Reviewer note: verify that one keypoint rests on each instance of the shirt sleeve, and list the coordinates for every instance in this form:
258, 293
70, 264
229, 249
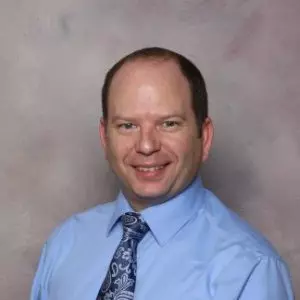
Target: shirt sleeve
53, 251
36, 288
246, 278
269, 280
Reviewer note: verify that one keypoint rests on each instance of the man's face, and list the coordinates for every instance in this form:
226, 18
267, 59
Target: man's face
150, 138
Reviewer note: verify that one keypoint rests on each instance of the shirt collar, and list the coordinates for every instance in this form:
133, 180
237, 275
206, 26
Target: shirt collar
165, 219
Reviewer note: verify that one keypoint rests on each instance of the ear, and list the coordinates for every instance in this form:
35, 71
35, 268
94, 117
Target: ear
103, 134
207, 137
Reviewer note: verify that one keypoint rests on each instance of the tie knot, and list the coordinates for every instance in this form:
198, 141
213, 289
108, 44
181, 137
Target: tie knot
134, 227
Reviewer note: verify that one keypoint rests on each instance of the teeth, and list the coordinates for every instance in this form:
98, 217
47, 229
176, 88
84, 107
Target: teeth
149, 169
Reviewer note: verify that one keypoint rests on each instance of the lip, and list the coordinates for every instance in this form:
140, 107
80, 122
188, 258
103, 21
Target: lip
153, 175
152, 165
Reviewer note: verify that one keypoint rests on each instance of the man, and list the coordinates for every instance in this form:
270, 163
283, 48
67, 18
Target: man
165, 236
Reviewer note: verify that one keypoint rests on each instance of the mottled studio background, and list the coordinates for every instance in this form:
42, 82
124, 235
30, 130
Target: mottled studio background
53, 57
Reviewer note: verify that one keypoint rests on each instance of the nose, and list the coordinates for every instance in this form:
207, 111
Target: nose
148, 141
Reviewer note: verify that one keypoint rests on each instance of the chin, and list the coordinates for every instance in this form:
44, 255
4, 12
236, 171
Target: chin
151, 193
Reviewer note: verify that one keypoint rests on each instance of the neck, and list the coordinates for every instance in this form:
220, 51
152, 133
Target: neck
139, 203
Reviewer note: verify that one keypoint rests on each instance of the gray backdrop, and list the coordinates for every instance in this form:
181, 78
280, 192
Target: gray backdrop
53, 57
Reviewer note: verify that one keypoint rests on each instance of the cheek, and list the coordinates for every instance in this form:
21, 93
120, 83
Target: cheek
188, 154
182, 146
119, 148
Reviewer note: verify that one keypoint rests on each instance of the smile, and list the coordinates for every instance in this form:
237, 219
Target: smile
151, 172
150, 169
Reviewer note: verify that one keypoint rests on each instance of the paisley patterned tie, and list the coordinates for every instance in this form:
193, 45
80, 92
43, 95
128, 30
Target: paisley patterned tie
119, 283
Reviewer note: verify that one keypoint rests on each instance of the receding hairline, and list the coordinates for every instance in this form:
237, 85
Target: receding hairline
151, 59
147, 59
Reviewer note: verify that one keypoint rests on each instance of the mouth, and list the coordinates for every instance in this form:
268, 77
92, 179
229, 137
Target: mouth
151, 172
150, 168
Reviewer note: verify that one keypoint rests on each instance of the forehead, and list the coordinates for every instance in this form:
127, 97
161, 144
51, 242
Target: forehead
148, 85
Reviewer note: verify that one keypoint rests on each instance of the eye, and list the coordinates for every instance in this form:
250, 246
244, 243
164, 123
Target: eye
126, 126
170, 124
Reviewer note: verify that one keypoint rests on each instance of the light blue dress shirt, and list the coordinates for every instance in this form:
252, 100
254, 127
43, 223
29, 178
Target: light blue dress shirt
196, 249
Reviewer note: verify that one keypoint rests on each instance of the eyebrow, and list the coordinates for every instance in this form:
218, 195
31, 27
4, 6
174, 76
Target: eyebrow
162, 117
119, 117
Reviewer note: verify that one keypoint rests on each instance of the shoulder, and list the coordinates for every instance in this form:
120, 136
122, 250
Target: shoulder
234, 232
64, 235
75, 229
242, 255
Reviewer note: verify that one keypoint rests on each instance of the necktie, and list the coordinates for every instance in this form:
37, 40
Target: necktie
119, 283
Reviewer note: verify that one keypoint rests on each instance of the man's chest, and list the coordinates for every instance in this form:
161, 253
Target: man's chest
161, 274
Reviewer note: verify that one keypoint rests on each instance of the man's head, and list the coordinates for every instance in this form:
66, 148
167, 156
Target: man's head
155, 128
